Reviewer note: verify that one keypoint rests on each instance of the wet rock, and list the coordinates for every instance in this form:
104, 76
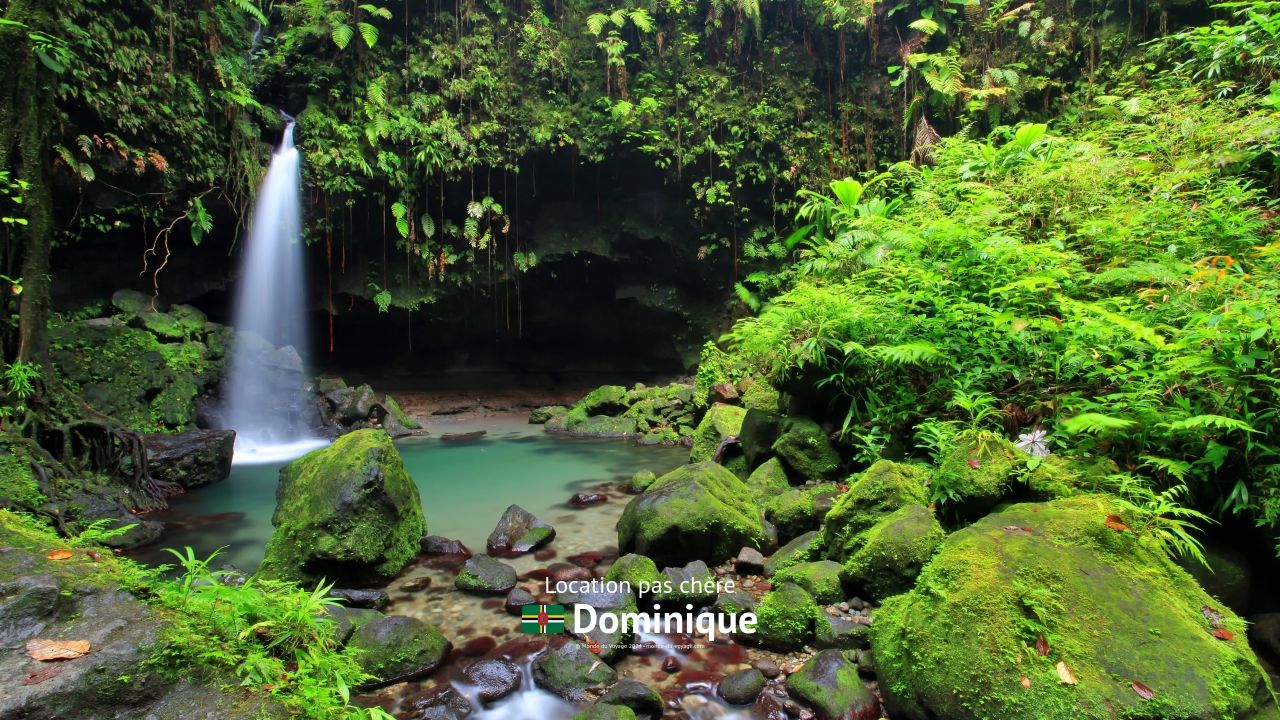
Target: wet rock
352, 404
417, 584
349, 513
398, 414
517, 599
605, 711
563, 572
894, 550
734, 603
641, 480
518, 531
635, 570
587, 499
610, 644
493, 679
591, 558
785, 618
347, 619
372, 599
93, 508
482, 574
768, 480
742, 687
768, 668
750, 561
190, 459
696, 512
805, 450
395, 648
440, 545
442, 702
830, 684
839, 633
643, 700
671, 664
464, 436
24, 603
824, 580
570, 671
720, 423
544, 554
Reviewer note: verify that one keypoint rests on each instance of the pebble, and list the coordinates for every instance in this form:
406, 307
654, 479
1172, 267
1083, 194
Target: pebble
844, 607
768, 668
671, 665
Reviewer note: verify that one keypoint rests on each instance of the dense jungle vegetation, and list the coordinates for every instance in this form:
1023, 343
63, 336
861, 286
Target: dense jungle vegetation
933, 225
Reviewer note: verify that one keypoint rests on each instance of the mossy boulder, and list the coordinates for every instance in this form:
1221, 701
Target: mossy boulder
542, 414
759, 395
978, 472
695, 512
798, 510
636, 570
395, 411
570, 670
347, 513
785, 617
483, 575
805, 450
741, 687
1113, 611
694, 584
800, 549
829, 683
880, 490
824, 580
768, 481
642, 699
604, 400
894, 550
720, 422
395, 648
642, 479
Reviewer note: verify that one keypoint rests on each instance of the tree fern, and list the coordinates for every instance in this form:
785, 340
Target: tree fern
250, 8
341, 35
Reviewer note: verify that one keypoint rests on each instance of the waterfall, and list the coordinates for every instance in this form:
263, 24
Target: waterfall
264, 398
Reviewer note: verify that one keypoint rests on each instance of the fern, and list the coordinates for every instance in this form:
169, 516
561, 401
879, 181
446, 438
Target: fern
369, 33
913, 353
1094, 424
250, 8
341, 36
1209, 422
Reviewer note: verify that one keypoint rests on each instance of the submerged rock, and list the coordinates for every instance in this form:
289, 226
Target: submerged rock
190, 459
695, 512
493, 679
395, 648
571, 670
518, 532
1113, 609
348, 513
643, 700
742, 687
440, 545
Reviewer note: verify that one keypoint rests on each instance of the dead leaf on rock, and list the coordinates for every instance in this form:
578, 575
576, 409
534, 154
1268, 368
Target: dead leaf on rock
1065, 675
1042, 645
1026, 682
94, 556
1115, 523
1213, 616
57, 555
39, 676
1221, 633
47, 650
1143, 691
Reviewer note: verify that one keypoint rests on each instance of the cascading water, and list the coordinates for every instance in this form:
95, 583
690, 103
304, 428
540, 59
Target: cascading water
264, 398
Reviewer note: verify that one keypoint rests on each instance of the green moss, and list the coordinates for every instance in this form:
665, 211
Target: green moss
769, 480
803, 548
18, 487
759, 395
1112, 609
720, 422
695, 512
977, 472
806, 450
798, 510
894, 550
394, 647
785, 617
824, 580
642, 479
604, 711
350, 507
829, 683
398, 413
634, 569
880, 490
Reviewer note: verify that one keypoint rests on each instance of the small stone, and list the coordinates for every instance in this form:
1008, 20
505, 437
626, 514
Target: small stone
750, 561
483, 574
742, 687
844, 607
440, 545
584, 499
416, 584
768, 668
517, 599
670, 664
494, 679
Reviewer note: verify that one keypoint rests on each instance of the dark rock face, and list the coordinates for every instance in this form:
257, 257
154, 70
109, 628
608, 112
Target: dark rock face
441, 703
395, 648
742, 687
518, 532
692, 583
482, 574
750, 561
440, 545
830, 684
352, 404
643, 700
494, 679
570, 670
92, 508
190, 459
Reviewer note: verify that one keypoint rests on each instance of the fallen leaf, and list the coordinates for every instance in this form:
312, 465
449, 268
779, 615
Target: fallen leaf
973, 463
1026, 682
1065, 675
1042, 645
1213, 616
45, 673
57, 555
1221, 633
94, 556
46, 650
1115, 523
1143, 691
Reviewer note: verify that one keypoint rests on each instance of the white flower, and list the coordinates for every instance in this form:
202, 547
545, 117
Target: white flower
1033, 443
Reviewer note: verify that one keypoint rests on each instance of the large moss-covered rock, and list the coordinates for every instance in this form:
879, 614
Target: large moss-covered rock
806, 450
894, 550
824, 580
395, 648
1112, 609
768, 481
570, 670
720, 423
800, 549
635, 570
785, 617
695, 512
880, 490
978, 472
347, 512
795, 511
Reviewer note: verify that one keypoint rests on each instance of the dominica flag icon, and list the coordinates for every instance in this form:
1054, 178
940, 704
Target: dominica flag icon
542, 619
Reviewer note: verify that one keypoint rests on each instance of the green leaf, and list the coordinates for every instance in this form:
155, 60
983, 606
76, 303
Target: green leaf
49, 62
1094, 424
342, 35
369, 33
1209, 422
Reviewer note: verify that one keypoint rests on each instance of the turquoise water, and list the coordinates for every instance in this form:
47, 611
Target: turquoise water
465, 486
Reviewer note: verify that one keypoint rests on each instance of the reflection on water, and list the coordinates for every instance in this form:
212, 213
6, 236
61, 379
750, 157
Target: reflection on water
464, 485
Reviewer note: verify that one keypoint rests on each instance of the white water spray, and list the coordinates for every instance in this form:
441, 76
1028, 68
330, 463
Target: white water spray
264, 399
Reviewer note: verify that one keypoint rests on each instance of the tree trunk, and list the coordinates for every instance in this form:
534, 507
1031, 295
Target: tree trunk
26, 113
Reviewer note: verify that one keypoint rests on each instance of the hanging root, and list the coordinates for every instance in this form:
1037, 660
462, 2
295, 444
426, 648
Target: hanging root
116, 452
